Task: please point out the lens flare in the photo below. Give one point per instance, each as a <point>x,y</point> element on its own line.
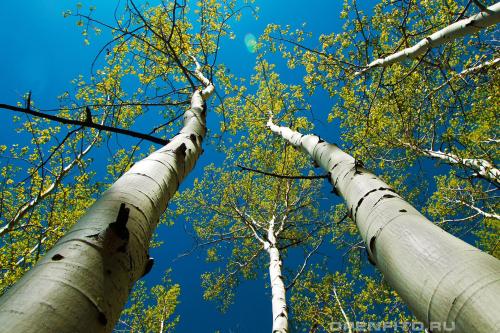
<point>251,43</point>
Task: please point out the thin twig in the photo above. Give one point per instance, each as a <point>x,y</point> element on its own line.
<point>281,176</point>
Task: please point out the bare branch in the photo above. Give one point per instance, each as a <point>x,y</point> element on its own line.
<point>100,127</point>
<point>281,176</point>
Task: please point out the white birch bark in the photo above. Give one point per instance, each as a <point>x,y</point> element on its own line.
<point>458,29</point>
<point>83,282</point>
<point>280,309</point>
<point>482,167</point>
<point>478,210</point>
<point>440,277</point>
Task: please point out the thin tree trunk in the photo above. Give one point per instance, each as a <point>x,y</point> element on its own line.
<point>458,29</point>
<point>482,167</point>
<point>465,72</point>
<point>280,309</point>
<point>83,282</point>
<point>442,279</point>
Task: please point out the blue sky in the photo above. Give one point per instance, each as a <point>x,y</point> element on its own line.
<point>43,52</point>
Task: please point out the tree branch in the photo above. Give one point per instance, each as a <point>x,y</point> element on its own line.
<point>88,124</point>
<point>280,176</point>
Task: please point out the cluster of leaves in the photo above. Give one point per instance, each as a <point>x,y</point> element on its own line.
<point>151,310</point>
<point>441,107</point>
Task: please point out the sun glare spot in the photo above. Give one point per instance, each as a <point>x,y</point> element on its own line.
<point>251,43</point>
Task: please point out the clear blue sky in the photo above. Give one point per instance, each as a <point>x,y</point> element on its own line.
<point>41,51</point>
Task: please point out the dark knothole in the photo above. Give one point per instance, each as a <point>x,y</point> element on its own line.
<point>57,257</point>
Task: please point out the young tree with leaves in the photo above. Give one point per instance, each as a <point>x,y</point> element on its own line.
<point>252,218</point>
<point>151,310</point>
<point>440,105</point>
<point>431,270</point>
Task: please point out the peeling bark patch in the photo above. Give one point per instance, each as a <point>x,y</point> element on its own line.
<point>122,248</point>
<point>370,250</point>
<point>192,137</point>
<point>334,191</point>
<point>366,195</point>
<point>370,259</point>
<point>358,164</point>
<point>57,257</point>
<point>94,236</point>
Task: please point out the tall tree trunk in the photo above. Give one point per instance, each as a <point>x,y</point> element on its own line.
<point>470,25</point>
<point>83,282</point>
<point>280,309</point>
<point>442,279</point>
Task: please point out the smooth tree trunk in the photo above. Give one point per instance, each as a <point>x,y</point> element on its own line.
<point>280,309</point>
<point>473,24</point>
<point>481,167</point>
<point>83,282</point>
<point>443,280</point>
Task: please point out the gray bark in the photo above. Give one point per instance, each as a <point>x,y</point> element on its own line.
<point>441,278</point>
<point>83,282</point>
<point>458,29</point>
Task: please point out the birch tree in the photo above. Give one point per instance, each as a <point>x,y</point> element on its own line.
<point>96,263</point>
<point>256,213</point>
<point>430,269</point>
<point>441,106</point>
<point>488,17</point>
<point>249,223</point>
<point>88,273</point>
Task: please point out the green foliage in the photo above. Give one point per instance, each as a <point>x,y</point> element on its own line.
<point>143,73</point>
<point>232,220</point>
<point>151,310</point>
<point>320,300</point>
<point>395,117</point>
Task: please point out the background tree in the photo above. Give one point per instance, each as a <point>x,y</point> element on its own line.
<point>424,264</point>
<point>438,108</point>
<point>249,220</point>
<point>151,310</point>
